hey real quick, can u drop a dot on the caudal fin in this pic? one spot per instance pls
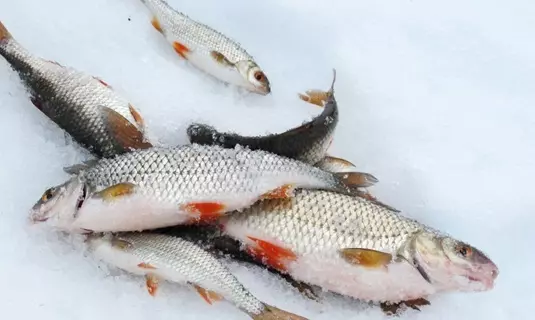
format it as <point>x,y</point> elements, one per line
<point>273,313</point>
<point>4,34</point>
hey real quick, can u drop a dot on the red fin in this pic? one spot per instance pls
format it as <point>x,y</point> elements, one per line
<point>207,211</point>
<point>102,81</point>
<point>152,284</point>
<point>146,265</point>
<point>156,24</point>
<point>283,192</point>
<point>181,49</point>
<point>208,295</point>
<point>270,254</point>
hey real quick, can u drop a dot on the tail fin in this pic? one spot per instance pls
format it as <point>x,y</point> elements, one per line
<point>273,313</point>
<point>356,179</point>
<point>4,34</point>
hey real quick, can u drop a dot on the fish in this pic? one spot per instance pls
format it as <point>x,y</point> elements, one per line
<point>84,106</point>
<point>354,247</point>
<point>208,49</point>
<point>160,257</point>
<point>166,186</point>
<point>308,142</point>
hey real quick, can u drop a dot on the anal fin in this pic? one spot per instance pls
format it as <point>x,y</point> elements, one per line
<point>208,295</point>
<point>181,49</point>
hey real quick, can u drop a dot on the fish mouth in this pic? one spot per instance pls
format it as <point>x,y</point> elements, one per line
<point>263,90</point>
<point>485,276</point>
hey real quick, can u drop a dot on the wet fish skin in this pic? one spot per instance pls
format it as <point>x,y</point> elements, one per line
<point>159,187</point>
<point>354,247</point>
<point>208,49</point>
<point>95,116</point>
<point>164,257</point>
<point>308,142</point>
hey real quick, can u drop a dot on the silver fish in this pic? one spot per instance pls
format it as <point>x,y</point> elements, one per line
<point>208,49</point>
<point>160,187</point>
<point>86,107</point>
<point>161,257</point>
<point>354,247</point>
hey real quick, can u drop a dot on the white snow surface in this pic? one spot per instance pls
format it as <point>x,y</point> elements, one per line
<point>436,100</point>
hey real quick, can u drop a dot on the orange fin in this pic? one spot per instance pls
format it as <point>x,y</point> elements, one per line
<point>146,265</point>
<point>207,211</point>
<point>208,295</point>
<point>271,254</point>
<point>135,114</point>
<point>4,34</point>
<point>283,192</point>
<point>366,257</point>
<point>126,134</point>
<point>181,49</point>
<point>156,24</point>
<point>116,191</point>
<point>151,281</point>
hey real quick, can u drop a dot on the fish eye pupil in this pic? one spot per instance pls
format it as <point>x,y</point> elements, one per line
<point>464,251</point>
<point>48,194</point>
<point>259,76</point>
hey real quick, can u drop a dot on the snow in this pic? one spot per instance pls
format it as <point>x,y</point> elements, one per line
<point>435,100</point>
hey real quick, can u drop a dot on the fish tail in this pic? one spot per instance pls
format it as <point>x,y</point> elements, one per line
<point>4,33</point>
<point>331,90</point>
<point>273,313</point>
<point>353,180</point>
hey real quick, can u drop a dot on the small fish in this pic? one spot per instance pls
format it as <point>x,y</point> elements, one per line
<point>161,257</point>
<point>354,247</point>
<point>160,187</point>
<point>86,107</point>
<point>208,49</point>
<point>308,142</point>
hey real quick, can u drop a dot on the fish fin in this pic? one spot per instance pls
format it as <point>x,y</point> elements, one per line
<point>144,265</point>
<point>121,244</point>
<point>366,257</point>
<point>67,138</point>
<point>137,117</point>
<point>274,313</point>
<point>152,282</point>
<point>270,254</point>
<point>4,33</point>
<point>116,191</point>
<point>156,24</point>
<point>206,211</point>
<point>282,192</point>
<point>395,308</point>
<point>221,59</point>
<point>126,133</point>
<point>55,62</point>
<point>181,49</point>
<point>208,295</point>
<point>316,97</point>
<point>102,82</point>
<point>334,164</point>
<point>356,179</point>
<point>77,168</point>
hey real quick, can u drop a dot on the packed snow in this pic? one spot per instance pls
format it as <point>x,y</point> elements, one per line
<point>436,100</point>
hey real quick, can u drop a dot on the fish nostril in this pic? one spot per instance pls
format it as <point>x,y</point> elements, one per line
<point>494,273</point>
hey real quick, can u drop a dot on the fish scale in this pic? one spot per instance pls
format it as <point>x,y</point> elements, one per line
<point>178,260</point>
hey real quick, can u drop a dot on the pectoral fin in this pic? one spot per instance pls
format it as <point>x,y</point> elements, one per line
<point>126,134</point>
<point>116,191</point>
<point>220,58</point>
<point>366,257</point>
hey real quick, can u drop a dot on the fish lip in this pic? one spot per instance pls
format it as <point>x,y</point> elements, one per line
<point>485,275</point>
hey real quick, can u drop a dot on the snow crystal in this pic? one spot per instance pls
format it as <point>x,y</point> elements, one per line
<point>436,100</point>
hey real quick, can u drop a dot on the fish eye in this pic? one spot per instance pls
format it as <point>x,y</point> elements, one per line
<point>259,76</point>
<point>464,251</point>
<point>49,193</point>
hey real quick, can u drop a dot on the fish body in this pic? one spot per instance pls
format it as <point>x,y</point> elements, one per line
<point>308,142</point>
<point>159,187</point>
<point>208,49</point>
<point>162,257</point>
<point>87,108</point>
<point>354,247</point>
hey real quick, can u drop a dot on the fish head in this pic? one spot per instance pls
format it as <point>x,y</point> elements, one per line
<point>450,264</point>
<point>60,204</point>
<point>255,79</point>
